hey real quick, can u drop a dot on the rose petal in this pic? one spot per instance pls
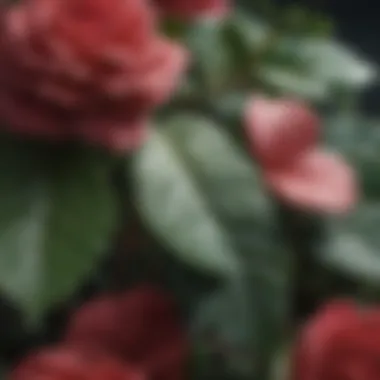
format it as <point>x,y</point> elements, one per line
<point>279,130</point>
<point>172,60</point>
<point>103,317</point>
<point>157,77</point>
<point>64,362</point>
<point>314,339</point>
<point>328,321</point>
<point>318,181</point>
<point>29,117</point>
<point>117,135</point>
<point>143,328</point>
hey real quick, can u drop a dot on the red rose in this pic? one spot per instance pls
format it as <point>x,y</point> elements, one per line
<point>68,364</point>
<point>190,9</point>
<point>91,70</point>
<point>140,327</point>
<point>283,136</point>
<point>340,343</point>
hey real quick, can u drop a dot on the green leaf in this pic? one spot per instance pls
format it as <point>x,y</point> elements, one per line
<point>247,33</point>
<point>288,82</point>
<point>353,244</point>
<point>246,319</point>
<point>358,139</point>
<point>57,214</point>
<point>331,62</point>
<point>300,21</point>
<point>283,364</point>
<point>245,39</point>
<point>199,192</point>
<point>210,57</point>
<point>174,28</point>
<point>227,317</point>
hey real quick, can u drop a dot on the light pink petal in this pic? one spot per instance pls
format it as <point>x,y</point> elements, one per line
<point>156,77</point>
<point>318,181</point>
<point>164,79</point>
<point>279,131</point>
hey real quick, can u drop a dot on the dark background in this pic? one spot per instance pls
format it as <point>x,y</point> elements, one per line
<point>358,24</point>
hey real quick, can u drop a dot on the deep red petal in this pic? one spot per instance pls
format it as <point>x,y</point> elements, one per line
<point>64,363</point>
<point>140,326</point>
<point>313,343</point>
<point>118,135</point>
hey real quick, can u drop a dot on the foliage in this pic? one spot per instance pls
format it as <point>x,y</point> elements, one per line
<point>190,210</point>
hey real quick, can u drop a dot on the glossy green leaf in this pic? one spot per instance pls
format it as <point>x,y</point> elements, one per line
<point>353,244</point>
<point>283,363</point>
<point>200,193</point>
<point>300,21</point>
<point>245,32</point>
<point>287,82</point>
<point>57,214</point>
<point>358,139</point>
<point>331,62</point>
<point>247,319</point>
<point>211,61</point>
<point>225,318</point>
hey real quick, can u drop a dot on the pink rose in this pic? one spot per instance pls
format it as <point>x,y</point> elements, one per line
<point>92,70</point>
<point>283,136</point>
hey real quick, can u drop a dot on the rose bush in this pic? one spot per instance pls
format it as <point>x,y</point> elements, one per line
<point>283,136</point>
<point>92,70</point>
<point>340,343</point>
<point>154,234</point>
<point>141,326</point>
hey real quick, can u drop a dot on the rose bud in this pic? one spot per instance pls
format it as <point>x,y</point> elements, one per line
<point>282,137</point>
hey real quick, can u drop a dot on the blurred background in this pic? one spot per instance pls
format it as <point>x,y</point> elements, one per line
<point>355,23</point>
<point>326,52</point>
